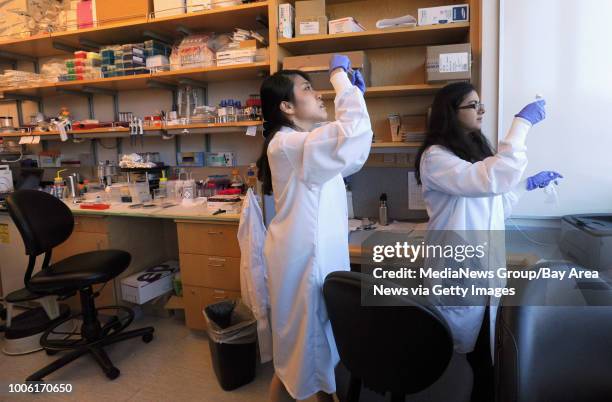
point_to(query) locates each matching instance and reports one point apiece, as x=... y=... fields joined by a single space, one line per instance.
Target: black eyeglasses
x=479 y=107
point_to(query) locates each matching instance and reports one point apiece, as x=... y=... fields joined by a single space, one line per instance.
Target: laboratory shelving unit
x=397 y=57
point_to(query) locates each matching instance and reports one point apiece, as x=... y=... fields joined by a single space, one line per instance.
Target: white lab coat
x=464 y=196
x=308 y=237
x=253 y=281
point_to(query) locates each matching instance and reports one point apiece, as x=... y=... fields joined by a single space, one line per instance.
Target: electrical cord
x=529 y=238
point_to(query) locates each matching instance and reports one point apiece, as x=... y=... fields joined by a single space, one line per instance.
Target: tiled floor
x=175 y=366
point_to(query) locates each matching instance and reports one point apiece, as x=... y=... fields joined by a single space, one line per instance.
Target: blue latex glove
x=358 y=81
x=340 y=61
x=542 y=179
x=534 y=112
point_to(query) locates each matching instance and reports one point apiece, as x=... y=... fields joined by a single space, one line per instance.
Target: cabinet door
x=208 y=239
x=196 y=298
x=210 y=271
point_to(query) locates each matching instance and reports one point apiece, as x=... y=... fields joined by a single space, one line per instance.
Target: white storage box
x=6 y=179
x=344 y=25
x=444 y=14
x=147 y=285
x=167 y=8
x=194 y=6
x=286 y=17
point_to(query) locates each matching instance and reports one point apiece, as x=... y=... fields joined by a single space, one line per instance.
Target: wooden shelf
x=122 y=132
x=379 y=38
x=141 y=81
x=216 y=20
x=392 y=91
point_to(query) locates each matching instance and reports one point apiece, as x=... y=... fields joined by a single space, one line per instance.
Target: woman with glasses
x=467 y=186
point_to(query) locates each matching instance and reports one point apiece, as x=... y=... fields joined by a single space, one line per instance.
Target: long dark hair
x=274 y=90
x=444 y=128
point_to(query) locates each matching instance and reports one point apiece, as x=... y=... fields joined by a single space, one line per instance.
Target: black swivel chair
x=45 y=222
x=402 y=350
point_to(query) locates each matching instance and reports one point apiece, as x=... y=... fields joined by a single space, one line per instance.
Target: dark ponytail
x=274 y=90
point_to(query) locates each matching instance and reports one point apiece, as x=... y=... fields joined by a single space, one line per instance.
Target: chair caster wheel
x=113 y=373
x=147 y=338
x=51 y=352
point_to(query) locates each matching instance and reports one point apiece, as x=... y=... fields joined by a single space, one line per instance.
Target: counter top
x=195 y=212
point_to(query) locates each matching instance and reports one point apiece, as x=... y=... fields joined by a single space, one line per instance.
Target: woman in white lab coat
x=304 y=162
x=469 y=187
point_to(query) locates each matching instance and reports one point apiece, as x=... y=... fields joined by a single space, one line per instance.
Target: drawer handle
x=215 y=233
x=220 y=297
x=216 y=265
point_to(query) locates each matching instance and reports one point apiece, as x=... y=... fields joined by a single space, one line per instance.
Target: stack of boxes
x=246 y=47
x=84 y=66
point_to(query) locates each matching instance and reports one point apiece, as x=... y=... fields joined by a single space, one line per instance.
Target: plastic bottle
x=349 y=202
x=237 y=182
x=163 y=184
x=251 y=179
x=58 y=185
x=383 y=218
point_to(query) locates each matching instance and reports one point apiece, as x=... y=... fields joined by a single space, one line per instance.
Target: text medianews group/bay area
x=468 y=273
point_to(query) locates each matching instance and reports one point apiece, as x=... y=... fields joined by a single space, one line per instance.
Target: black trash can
x=233 y=349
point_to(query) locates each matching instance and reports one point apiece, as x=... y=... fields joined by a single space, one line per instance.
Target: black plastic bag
x=221 y=313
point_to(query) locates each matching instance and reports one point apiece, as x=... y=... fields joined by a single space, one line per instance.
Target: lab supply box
x=149 y=284
x=310 y=18
x=444 y=14
x=168 y=8
x=113 y=11
x=220 y=159
x=449 y=62
x=194 y=6
x=344 y=25
x=317 y=67
x=286 y=18
x=189 y=159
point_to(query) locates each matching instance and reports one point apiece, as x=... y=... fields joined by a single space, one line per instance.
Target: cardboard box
x=310 y=18
x=12 y=21
x=147 y=285
x=286 y=19
x=85 y=14
x=112 y=11
x=168 y=8
x=194 y=6
x=317 y=67
x=444 y=14
x=449 y=62
x=345 y=25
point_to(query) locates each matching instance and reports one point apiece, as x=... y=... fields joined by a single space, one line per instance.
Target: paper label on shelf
x=454 y=62
x=251 y=131
x=4 y=234
x=309 y=27
x=415 y=193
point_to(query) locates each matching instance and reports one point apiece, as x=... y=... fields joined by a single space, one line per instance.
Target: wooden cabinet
x=210 y=266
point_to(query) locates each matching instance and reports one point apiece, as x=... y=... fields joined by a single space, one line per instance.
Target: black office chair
x=401 y=350
x=45 y=222
x=560 y=352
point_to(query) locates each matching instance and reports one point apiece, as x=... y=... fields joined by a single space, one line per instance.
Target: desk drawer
x=208 y=239
x=196 y=298
x=90 y=224
x=210 y=271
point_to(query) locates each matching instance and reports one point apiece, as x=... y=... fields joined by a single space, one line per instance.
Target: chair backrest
x=43 y=220
x=555 y=352
x=391 y=348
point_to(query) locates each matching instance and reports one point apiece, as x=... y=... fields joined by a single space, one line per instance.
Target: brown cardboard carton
x=113 y=11
x=449 y=62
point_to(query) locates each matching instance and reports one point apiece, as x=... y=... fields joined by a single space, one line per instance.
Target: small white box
x=167 y=8
x=147 y=285
x=345 y=25
x=286 y=18
x=444 y=14
x=194 y=6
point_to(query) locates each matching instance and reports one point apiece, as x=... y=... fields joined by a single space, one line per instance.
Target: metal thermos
x=73 y=186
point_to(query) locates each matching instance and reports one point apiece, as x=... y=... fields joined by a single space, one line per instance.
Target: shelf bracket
x=183 y=30
x=193 y=83
x=16 y=56
x=157 y=36
x=100 y=91
x=161 y=85
x=89 y=44
x=64 y=47
x=19 y=105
